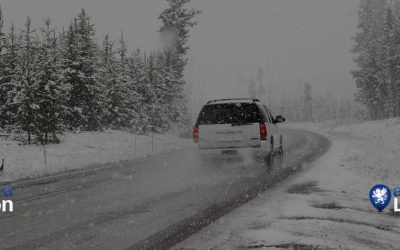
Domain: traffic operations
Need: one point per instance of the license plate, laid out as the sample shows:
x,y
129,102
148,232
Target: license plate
x,y
229,152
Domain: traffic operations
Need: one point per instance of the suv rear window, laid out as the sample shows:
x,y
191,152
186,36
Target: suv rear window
x,y
228,113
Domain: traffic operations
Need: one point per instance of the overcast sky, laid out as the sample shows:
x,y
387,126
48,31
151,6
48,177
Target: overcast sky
x,y
301,40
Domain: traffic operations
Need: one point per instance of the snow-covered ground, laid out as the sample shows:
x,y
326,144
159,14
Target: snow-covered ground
x,y
325,205
81,150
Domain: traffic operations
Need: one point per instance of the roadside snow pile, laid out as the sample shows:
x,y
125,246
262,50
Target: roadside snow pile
x,y
81,150
326,204
372,147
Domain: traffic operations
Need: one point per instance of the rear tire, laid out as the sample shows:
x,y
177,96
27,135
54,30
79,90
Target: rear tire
x,y
279,157
269,160
280,152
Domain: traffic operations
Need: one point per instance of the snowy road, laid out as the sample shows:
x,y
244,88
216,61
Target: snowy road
x,y
150,203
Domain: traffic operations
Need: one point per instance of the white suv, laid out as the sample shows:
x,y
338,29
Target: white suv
x,y
230,125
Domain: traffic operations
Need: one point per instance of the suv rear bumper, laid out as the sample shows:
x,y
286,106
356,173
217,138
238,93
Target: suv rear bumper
x,y
257,145
243,152
232,145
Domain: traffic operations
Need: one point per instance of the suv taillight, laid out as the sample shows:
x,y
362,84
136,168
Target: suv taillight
x,y
196,134
263,131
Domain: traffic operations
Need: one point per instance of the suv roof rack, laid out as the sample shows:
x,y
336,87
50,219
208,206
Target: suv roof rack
x,y
254,100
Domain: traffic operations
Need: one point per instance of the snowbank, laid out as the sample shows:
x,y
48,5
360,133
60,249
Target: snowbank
x,y
81,150
324,206
372,148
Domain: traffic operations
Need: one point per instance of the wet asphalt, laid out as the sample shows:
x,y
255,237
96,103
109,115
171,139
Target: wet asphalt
x,y
150,203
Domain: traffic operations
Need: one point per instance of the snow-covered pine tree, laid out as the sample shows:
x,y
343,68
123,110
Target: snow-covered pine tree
x,y
390,43
362,49
252,88
175,33
335,109
106,59
342,110
2,36
261,88
396,82
152,77
137,74
129,94
21,100
52,92
319,108
162,93
145,118
113,93
150,93
382,49
360,111
93,97
178,103
114,75
323,108
3,75
9,76
72,71
371,56
81,67
307,103
328,101
326,108
349,110
174,36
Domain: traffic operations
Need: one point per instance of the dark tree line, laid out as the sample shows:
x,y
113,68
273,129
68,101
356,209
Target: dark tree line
x,y
377,54
52,80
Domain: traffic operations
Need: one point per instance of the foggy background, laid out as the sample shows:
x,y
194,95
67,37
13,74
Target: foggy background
x,y
295,41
